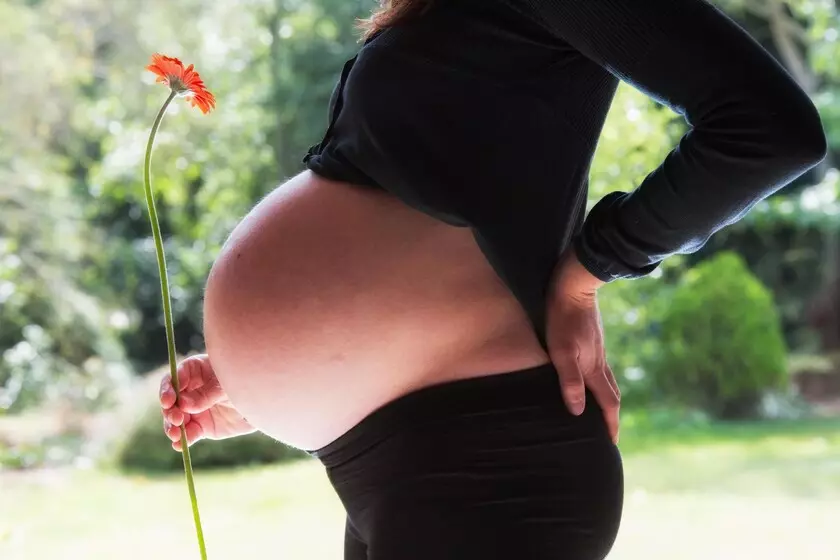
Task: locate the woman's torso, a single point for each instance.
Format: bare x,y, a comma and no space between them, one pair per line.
330,300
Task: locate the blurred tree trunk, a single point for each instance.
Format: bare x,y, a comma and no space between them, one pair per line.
276,63
791,41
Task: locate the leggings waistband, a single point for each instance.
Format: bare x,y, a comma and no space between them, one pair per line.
535,386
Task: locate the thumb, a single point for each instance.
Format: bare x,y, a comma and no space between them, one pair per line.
201,399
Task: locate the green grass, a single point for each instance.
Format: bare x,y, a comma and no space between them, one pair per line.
767,491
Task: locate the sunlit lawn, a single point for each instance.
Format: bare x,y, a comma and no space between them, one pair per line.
736,493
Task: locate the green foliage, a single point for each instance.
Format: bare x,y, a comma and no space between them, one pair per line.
630,311
793,259
19,457
722,346
56,343
146,448
54,451
637,135
75,254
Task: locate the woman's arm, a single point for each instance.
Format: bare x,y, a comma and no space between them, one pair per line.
753,129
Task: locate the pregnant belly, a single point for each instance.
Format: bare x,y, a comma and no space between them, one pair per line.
330,300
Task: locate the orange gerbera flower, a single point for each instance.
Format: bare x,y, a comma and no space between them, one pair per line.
183,81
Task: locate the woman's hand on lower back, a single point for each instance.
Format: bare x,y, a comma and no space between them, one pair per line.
576,340
203,407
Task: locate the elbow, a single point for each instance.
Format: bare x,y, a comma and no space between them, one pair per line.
815,144
799,136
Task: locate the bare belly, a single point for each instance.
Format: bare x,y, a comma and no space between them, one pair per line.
330,300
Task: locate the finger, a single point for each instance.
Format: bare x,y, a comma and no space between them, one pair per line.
167,393
611,416
174,416
167,390
186,374
613,382
194,432
192,371
601,387
202,398
172,432
571,379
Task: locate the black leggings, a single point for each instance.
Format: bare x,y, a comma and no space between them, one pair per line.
486,468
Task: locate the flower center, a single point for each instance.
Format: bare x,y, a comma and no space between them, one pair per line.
176,85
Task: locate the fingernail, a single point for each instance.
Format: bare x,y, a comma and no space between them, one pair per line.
577,407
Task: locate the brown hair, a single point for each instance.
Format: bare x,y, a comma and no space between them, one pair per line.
391,13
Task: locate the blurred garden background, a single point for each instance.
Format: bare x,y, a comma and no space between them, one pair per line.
729,359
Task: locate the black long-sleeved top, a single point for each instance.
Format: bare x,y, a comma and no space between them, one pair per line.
486,114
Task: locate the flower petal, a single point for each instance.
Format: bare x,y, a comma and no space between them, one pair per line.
171,72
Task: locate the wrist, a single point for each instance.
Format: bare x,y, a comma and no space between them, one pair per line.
573,277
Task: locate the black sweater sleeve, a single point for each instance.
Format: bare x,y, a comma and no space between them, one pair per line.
753,130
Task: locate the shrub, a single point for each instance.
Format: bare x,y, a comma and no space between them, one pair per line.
630,311
146,448
21,456
722,344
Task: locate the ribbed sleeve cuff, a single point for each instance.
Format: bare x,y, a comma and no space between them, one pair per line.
594,250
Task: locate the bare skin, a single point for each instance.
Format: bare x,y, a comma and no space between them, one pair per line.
330,300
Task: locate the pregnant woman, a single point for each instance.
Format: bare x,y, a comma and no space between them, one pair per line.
418,307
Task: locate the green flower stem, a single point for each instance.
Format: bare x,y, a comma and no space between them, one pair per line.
167,313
